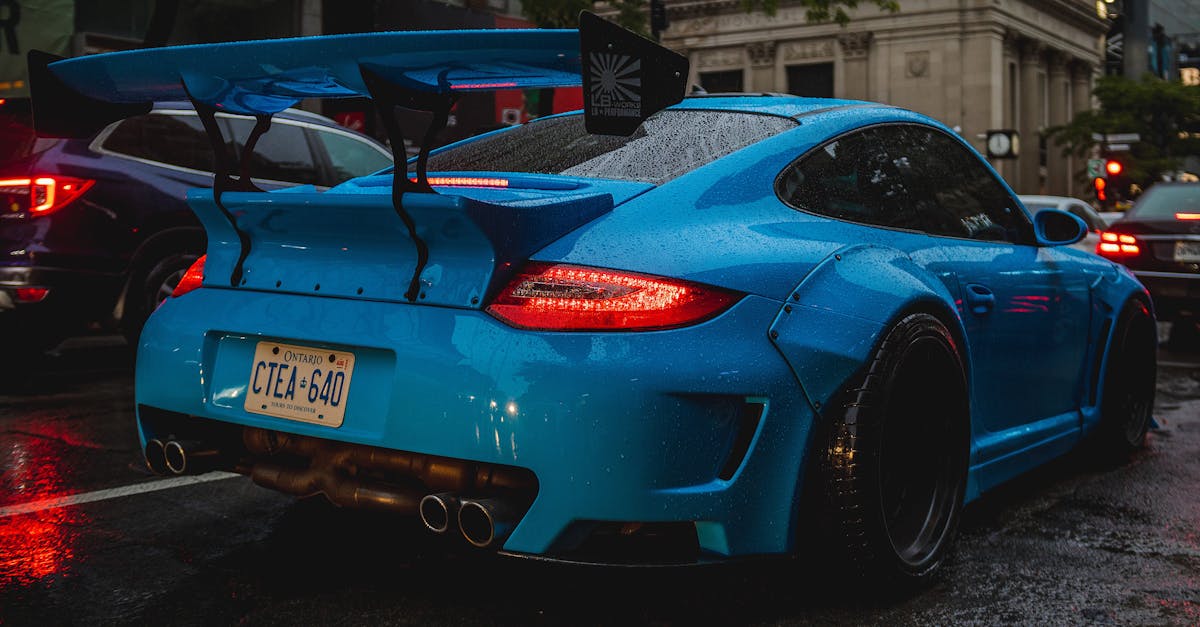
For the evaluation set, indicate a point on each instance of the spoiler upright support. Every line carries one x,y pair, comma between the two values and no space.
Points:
388,95
223,180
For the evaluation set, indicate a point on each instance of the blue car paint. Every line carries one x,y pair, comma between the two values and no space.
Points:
653,417
641,436
821,344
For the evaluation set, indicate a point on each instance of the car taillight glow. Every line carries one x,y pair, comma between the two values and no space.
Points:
558,297
191,279
1116,244
1187,216
32,294
40,195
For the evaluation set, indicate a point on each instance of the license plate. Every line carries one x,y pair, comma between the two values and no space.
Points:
1187,251
299,383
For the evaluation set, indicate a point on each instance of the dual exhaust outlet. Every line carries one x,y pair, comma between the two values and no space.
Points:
483,522
179,457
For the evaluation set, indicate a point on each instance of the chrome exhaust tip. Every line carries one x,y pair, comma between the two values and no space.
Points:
187,456
155,457
486,522
438,510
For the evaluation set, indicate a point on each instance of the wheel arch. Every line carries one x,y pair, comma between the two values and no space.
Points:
155,247
861,291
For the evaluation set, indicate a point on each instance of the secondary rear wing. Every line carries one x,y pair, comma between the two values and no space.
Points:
626,79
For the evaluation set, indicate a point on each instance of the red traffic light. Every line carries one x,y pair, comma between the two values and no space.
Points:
1099,185
1113,168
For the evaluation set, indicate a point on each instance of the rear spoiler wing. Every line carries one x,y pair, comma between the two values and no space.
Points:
625,77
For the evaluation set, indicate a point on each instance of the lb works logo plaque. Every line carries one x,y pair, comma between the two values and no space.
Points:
616,85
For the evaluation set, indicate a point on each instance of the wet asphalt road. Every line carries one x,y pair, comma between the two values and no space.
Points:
1070,543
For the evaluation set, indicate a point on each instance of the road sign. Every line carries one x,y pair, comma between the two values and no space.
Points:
1118,147
1123,138
1120,138
1095,168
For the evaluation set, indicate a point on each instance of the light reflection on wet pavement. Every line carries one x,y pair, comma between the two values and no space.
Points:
1069,543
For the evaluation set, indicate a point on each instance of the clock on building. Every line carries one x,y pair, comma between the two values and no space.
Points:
1002,144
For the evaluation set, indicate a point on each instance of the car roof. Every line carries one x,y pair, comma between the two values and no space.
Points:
290,113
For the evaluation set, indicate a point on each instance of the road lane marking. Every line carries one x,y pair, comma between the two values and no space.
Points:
113,493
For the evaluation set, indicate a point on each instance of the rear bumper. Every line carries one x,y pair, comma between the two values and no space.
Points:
624,427
1176,294
74,297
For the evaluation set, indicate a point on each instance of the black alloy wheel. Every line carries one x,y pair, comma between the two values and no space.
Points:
895,458
1127,395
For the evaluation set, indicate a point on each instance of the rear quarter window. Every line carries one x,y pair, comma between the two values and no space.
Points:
666,146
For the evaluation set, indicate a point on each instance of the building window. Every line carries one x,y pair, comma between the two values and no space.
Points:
1014,97
722,82
814,80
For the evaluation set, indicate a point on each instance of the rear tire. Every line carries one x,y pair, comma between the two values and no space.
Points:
1127,397
149,286
895,459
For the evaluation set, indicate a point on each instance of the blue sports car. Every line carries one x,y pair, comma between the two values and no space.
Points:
662,330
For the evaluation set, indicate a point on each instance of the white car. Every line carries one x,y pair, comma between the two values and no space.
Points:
1076,207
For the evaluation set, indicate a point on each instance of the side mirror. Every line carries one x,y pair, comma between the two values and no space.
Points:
1058,228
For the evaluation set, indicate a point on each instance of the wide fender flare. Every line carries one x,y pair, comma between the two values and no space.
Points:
839,312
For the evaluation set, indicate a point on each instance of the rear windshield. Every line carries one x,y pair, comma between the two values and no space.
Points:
1164,201
665,146
17,139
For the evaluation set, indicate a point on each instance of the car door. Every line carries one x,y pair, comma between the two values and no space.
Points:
1026,308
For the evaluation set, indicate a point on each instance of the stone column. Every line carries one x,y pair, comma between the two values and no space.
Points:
762,66
1081,86
855,47
1058,84
1081,100
1029,179
1010,106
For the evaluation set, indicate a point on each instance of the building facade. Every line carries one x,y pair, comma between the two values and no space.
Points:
975,65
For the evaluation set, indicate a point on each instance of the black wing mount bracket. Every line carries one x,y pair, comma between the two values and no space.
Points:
223,162
388,96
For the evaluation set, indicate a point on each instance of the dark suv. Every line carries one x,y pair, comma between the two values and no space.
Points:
96,232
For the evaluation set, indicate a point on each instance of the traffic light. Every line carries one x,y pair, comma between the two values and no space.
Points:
1099,184
658,18
1112,167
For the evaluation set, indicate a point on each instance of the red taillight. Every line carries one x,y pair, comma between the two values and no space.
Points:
32,294
191,279
555,297
40,195
1117,245
1187,216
